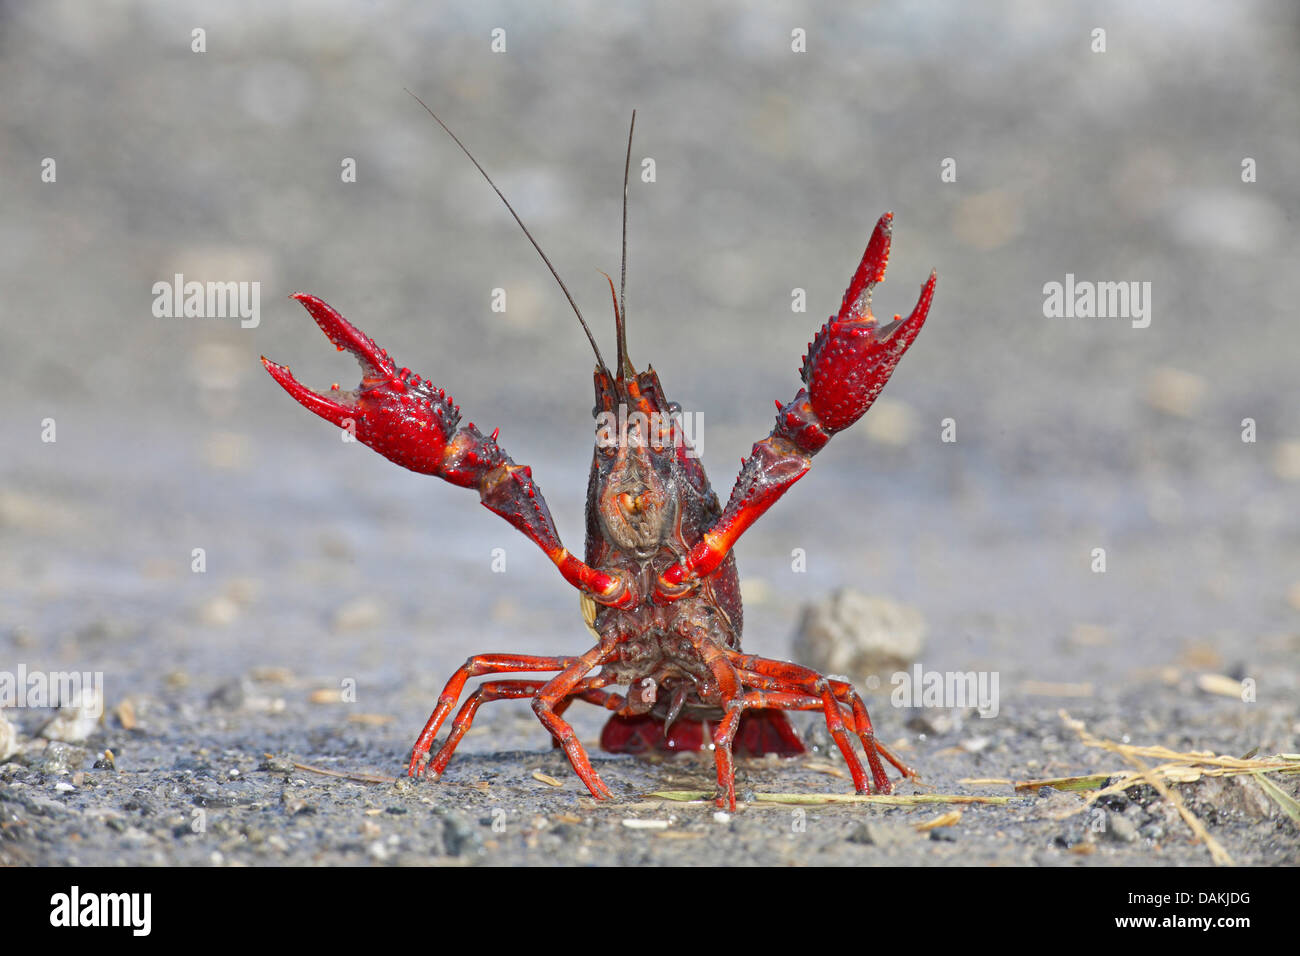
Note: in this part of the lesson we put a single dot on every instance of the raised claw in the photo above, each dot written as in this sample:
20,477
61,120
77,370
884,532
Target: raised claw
398,414
851,358
414,423
848,363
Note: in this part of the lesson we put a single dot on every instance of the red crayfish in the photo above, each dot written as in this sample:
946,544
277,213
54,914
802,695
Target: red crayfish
658,579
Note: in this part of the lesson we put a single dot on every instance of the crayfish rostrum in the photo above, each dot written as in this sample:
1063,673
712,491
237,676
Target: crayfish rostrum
658,578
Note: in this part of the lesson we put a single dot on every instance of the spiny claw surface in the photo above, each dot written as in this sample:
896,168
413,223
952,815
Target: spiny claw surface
404,418
851,358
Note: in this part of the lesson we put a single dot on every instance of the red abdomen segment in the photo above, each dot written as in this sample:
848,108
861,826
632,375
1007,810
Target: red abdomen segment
760,732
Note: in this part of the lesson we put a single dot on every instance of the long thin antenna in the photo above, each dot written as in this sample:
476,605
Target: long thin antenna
620,314
576,311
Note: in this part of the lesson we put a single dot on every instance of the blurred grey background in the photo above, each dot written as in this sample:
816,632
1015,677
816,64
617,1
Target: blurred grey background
772,166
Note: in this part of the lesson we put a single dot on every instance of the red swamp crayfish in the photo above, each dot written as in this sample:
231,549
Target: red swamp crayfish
658,579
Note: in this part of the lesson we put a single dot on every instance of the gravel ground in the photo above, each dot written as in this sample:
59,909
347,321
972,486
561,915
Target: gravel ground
260,597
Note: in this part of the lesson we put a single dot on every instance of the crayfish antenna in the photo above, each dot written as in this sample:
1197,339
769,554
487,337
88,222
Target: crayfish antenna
464,149
620,308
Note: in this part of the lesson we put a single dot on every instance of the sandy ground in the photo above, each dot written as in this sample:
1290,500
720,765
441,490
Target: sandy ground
326,568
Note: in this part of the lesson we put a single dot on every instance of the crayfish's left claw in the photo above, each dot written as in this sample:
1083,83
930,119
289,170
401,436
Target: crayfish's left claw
870,271
848,363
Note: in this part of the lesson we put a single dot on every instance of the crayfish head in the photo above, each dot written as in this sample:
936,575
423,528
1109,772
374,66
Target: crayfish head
637,506
636,494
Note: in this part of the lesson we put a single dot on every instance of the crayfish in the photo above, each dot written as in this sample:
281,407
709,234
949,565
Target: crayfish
658,578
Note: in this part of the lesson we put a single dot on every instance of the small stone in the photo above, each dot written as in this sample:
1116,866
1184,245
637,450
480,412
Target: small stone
1120,828
1154,830
881,834
1232,798
929,722
58,758
565,832
1114,801
271,763
78,720
125,713
459,838
1077,831
231,695
8,738
859,635
1220,684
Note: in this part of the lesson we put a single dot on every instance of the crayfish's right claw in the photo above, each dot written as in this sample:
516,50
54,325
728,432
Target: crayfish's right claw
851,358
332,411
414,423
373,360
404,418
340,406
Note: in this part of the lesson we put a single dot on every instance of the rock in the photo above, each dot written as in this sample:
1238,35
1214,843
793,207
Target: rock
78,720
1255,804
8,738
458,837
1120,828
928,722
1078,830
57,759
240,694
881,834
1155,830
232,695
272,763
859,635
